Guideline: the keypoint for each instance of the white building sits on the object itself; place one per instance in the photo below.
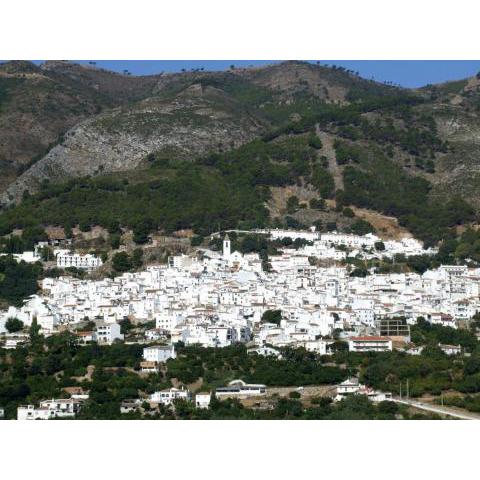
(65, 259)
(240, 388)
(48, 409)
(130, 405)
(107, 333)
(266, 352)
(27, 257)
(167, 397)
(159, 353)
(451, 349)
(226, 247)
(202, 400)
(180, 261)
(322, 347)
(352, 386)
(369, 344)
(278, 234)
(219, 300)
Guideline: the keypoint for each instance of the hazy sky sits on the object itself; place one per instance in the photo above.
(408, 73)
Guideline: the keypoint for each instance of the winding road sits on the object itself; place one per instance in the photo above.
(437, 409)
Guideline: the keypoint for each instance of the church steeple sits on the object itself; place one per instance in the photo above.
(226, 246)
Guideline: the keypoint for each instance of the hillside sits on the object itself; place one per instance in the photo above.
(39, 104)
(192, 112)
(253, 136)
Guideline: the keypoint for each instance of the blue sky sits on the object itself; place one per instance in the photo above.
(408, 73)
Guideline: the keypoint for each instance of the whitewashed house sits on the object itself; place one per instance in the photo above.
(167, 397)
(50, 409)
(66, 259)
(159, 353)
(107, 333)
(203, 399)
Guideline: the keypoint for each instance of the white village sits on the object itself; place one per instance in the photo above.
(216, 299)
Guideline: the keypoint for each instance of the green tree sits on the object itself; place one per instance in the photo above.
(121, 262)
(272, 316)
(317, 204)
(137, 258)
(125, 326)
(115, 241)
(314, 141)
(362, 227)
(13, 325)
(292, 204)
(141, 231)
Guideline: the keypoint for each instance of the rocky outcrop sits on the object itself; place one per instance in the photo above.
(195, 121)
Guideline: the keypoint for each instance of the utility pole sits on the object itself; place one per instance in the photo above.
(400, 389)
(407, 389)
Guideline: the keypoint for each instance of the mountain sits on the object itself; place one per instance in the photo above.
(261, 135)
(96, 121)
(39, 104)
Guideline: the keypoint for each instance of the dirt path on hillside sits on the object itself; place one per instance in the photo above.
(329, 151)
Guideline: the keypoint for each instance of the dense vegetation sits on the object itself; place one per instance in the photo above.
(220, 191)
(40, 370)
(352, 408)
(430, 372)
(17, 280)
(379, 184)
(218, 366)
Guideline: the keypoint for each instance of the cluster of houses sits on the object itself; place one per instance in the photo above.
(337, 246)
(215, 299)
(64, 258)
(167, 397)
(68, 408)
(53, 408)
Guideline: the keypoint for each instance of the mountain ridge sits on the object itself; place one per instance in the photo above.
(425, 141)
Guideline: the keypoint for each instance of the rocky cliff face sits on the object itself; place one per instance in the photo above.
(39, 104)
(193, 122)
(456, 109)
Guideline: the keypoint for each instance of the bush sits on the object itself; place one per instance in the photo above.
(389, 408)
(13, 325)
(196, 240)
(317, 204)
(292, 204)
(121, 262)
(314, 141)
(272, 316)
(362, 227)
